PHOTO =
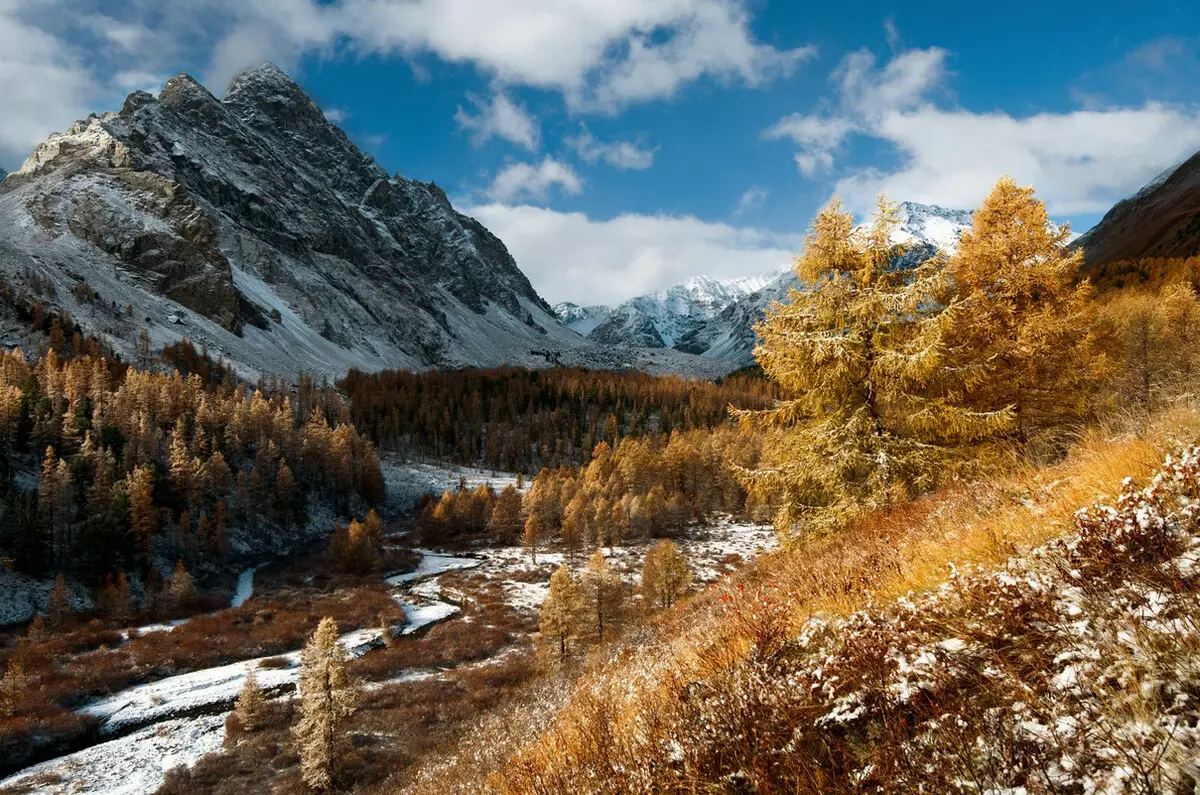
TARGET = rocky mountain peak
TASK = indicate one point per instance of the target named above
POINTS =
(269, 234)
(266, 92)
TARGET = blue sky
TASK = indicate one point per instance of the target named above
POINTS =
(618, 146)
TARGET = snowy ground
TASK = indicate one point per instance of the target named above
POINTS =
(407, 482)
(708, 548)
(433, 564)
(132, 765)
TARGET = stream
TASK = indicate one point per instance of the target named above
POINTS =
(150, 728)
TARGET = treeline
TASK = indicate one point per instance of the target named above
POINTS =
(1153, 272)
(643, 488)
(137, 467)
(522, 420)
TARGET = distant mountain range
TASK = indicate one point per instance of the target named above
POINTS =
(715, 318)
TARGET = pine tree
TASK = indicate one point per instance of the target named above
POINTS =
(560, 617)
(602, 593)
(58, 605)
(535, 531)
(11, 688)
(183, 589)
(666, 575)
(326, 703)
(250, 703)
(143, 515)
(1020, 330)
(117, 598)
(505, 524)
(285, 488)
(857, 352)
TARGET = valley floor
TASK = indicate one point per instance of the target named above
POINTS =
(464, 613)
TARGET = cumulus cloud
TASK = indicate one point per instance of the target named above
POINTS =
(1081, 161)
(45, 84)
(573, 257)
(601, 54)
(499, 117)
(620, 154)
(518, 181)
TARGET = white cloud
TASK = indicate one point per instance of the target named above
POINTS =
(752, 199)
(499, 117)
(46, 86)
(528, 181)
(571, 257)
(1081, 161)
(621, 154)
(335, 115)
(865, 94)
(600, 54)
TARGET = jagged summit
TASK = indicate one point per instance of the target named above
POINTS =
(253, 224)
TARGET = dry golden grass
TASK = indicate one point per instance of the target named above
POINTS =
(624, 693)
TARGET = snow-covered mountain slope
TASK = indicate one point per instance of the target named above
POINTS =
(662, 318)
(1160, 220)
(253, 225)
(715, 318)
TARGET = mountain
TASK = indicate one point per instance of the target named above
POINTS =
(661, 319)
(1160, 220)
(715, 318)
(253, 225)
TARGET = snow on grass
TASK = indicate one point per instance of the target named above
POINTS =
(433, 564)
(407, 482)
(131, 765)
(713, 550)
(165, 626)
(211, 688)
(420, 616)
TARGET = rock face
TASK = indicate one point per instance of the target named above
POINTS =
(1160, 220)
(715, 319)
(253, 224)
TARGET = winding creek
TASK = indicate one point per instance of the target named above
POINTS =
(150, 728)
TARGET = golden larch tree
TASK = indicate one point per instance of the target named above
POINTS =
(602, 593)
(250, 703)
(559, 620)
(666, 575)
(1020, 328)
(858, 351)
(327, 698)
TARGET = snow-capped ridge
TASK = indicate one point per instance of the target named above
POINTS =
(715, 318)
